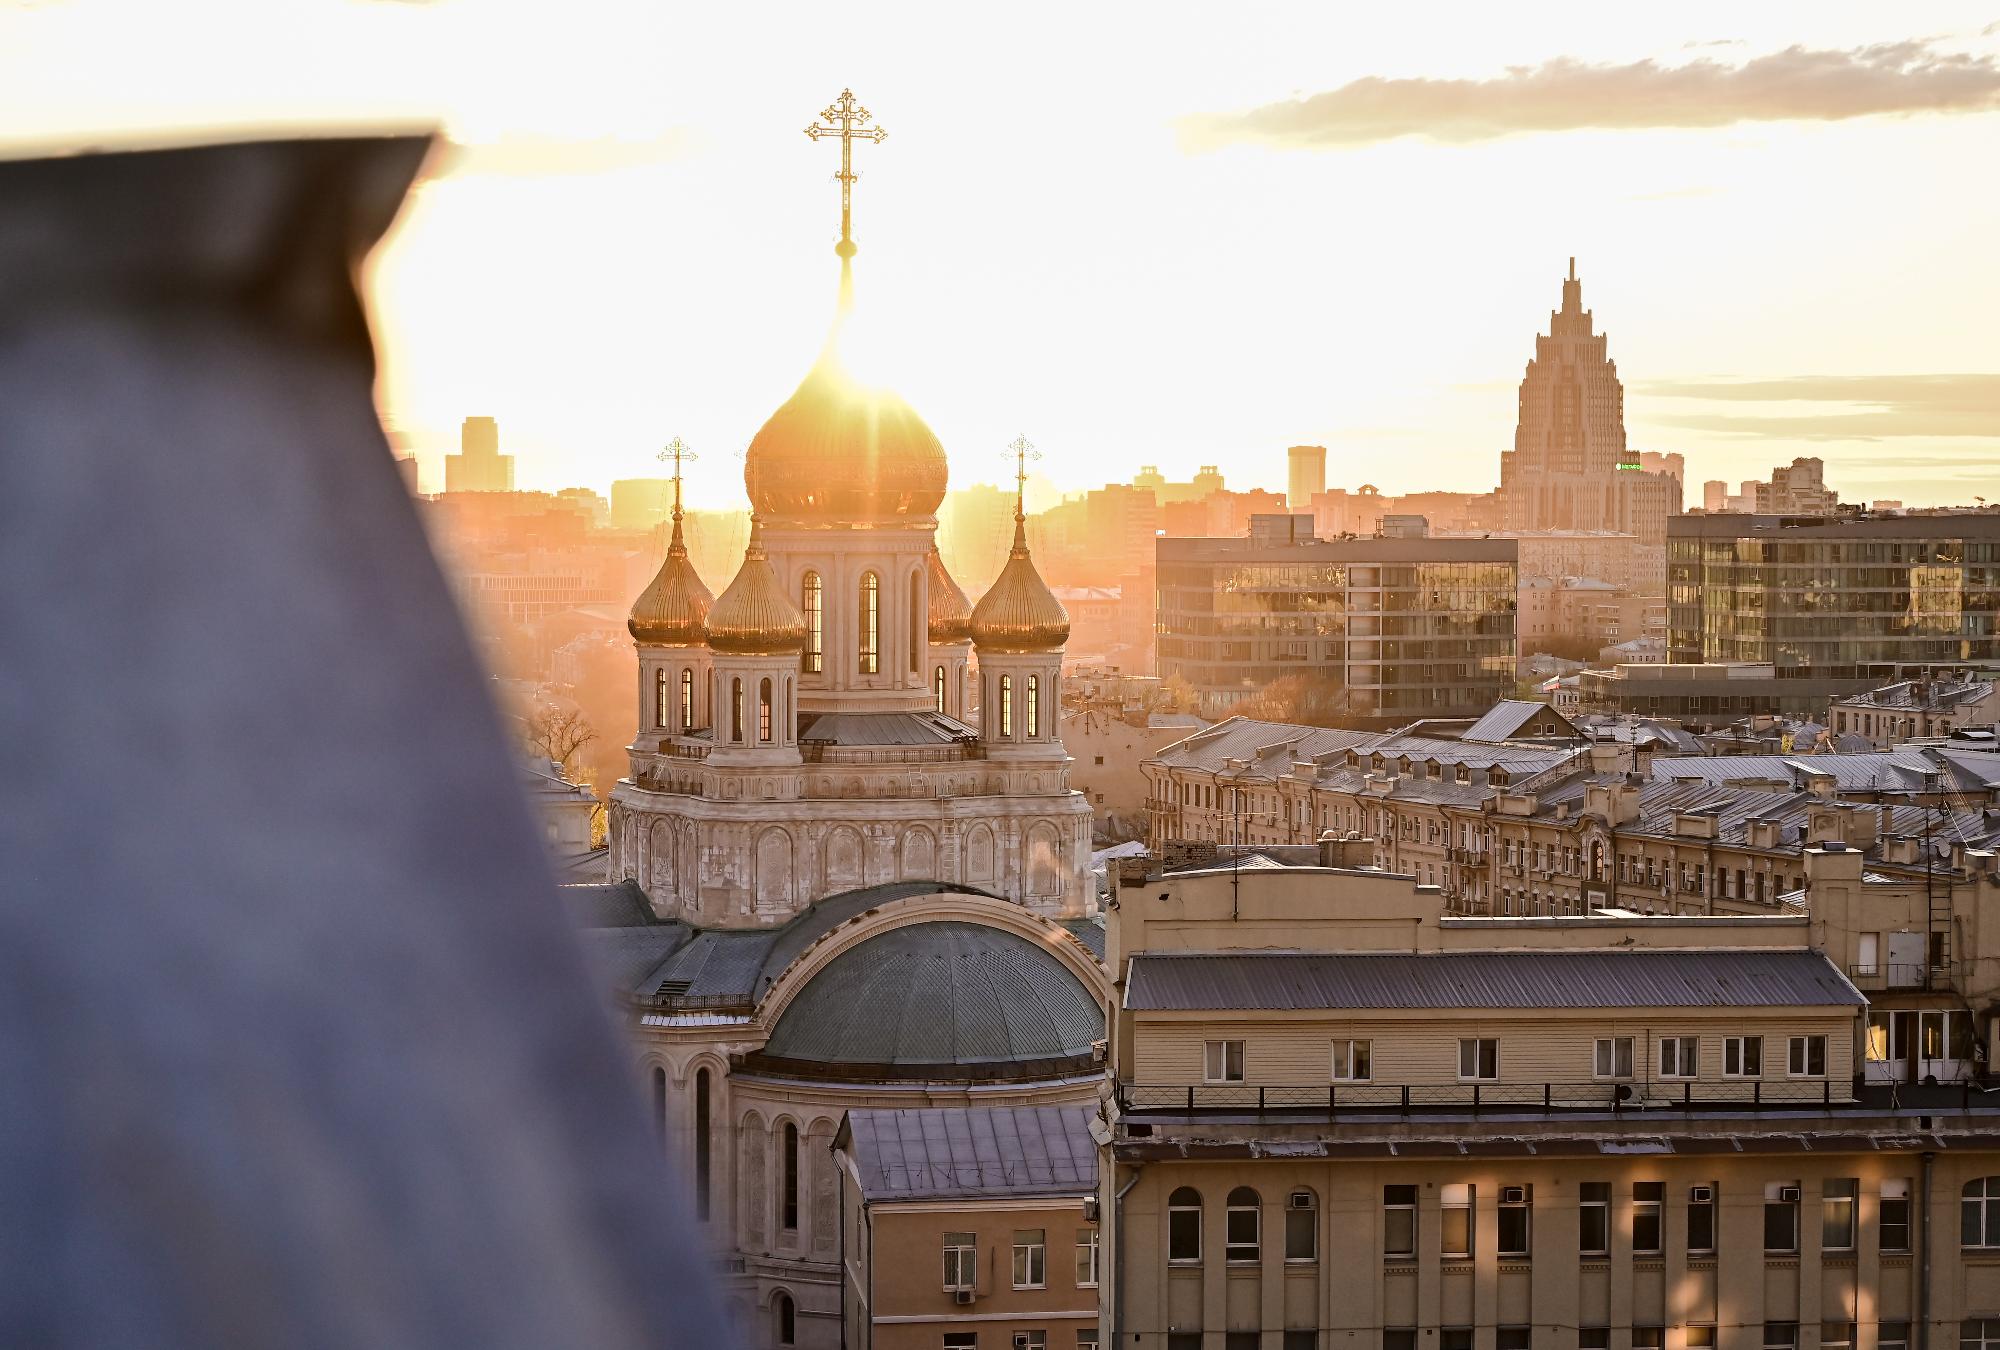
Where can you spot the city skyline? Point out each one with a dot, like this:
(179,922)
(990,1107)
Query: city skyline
(1266,247)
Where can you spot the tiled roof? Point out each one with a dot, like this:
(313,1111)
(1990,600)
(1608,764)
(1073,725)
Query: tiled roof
(1286,981)
(936,1153)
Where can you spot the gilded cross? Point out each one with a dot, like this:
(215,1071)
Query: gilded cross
(850,123)
(1021,450)
(677,450)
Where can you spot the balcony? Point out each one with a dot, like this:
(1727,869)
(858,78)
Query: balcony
(1877,976)
(1378,1099)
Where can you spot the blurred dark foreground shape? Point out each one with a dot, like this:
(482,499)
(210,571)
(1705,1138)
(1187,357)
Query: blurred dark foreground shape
(296,1049)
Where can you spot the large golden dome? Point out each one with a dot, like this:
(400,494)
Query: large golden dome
(1020,613)
(673,609)
(755,617)
(951,612)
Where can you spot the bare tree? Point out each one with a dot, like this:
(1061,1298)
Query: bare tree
(556,732)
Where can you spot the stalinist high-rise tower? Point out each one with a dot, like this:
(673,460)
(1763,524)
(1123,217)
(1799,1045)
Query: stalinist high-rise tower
(1569,442)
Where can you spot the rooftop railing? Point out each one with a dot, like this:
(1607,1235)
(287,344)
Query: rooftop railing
(1416,1098)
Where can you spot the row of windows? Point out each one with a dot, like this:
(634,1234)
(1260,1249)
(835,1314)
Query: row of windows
(1031,1259)
(1031,689)
(1611,1058)
(1034,1339)
(1644,1232)
(868,661)
(1973,1335)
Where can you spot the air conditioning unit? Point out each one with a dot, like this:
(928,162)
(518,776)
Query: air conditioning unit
(1701,1195)
(962,1297)
(1790,1193)
(1299,1200)
(1513,1195)
(1090,1209)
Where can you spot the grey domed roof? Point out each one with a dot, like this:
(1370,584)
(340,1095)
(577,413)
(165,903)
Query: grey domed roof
(943,993)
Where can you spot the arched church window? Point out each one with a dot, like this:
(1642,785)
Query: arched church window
(701,1163)
(764,710)
(937,687)
(1034,705)
(812,600)
(660,1101)
(687,700)
(736,710)
(917,621)
(871,624)
(660,697)
(788,1320)
(790,1216)
(1006,705)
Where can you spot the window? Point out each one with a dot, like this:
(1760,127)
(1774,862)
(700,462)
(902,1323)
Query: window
(1867,953)
(1593,1338)
(1034,705)
(1399,1221)
(736,710)
(1511,1338)
(1701,1338)
(1781,1336)
(1701,1218)
(1301,1340)
(1241,1340)
(1302,1226)
(1781,1216)
(1836,1336)
(1006,705)
(961,1261)
(1892,1336)
(1894,1221)
(788,1319)
(937,688)
(1455,1338)
(1222,1061)
(764,710)
(701,1145)
(1742,1056)
(1399,1338)
(1979,1213)
(812,659)
(1680,1056)
(1647,1338)
(1036,1339)
(1976,1334)
(1646,1227)
(1593,1218)
(660,697)
(1184,1340)
(1240,1224)
(1031,1258)
(1613,1058)
(1516,1210)
(961,1340)
(1836,1230)
(919,615)
(1184,1225)
(870,618)
(791,1178)
(1806,1057)
(1350,1061)
(1455,1221)
(1086,1257)
(687,700)
(1479,1059)
(1086,1338)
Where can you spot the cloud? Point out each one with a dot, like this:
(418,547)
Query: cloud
(1566,95)
(543,156)
(1871,407)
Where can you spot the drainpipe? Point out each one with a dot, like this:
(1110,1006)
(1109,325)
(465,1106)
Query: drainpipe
(1924,1241)
(1118,1259)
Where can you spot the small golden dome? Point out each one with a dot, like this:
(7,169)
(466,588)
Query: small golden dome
(673,609)
(1020,613)
(754,616)
(951,612)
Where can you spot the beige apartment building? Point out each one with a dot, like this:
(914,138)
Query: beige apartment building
(1341,1117)
(968,1228)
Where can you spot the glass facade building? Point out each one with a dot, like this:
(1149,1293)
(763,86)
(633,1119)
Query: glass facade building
(1834,598)
(1407,627)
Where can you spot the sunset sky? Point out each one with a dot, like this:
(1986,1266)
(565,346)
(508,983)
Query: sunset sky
(1141,234)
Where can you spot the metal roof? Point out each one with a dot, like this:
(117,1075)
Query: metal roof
(958,1151)
(891,728)
(1286,981)
(1506,718)
(939,993)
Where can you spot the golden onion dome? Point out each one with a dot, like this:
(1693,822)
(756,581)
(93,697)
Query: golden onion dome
(1020,613)
(754,616)
(951,612)
(673,609)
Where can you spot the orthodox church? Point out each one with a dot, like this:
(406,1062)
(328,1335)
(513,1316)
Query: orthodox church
(840,877)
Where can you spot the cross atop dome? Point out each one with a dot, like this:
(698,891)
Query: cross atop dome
(850,124)
(677,450)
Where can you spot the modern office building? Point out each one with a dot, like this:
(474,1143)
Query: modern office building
(1862,598)
(479,466)
(1408,627)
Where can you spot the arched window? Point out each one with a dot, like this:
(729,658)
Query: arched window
(937,687)
(1034,705)
(764,709)
(701,1162)
(791,717)
(812,659)
(1184,1225)
(660,1101)
(687,700)
(918,618)
(790,1217)
(1239,1234)
(1302,1226)
(870,616)
(736,709)
(788,1319)
(1979,1213)
(660,697)
(1006,705)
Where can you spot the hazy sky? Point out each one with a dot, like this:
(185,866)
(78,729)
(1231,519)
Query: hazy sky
(1142,234)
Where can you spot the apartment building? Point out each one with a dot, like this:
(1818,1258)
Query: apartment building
(968,1228)
(1907,710)
(1341,1117)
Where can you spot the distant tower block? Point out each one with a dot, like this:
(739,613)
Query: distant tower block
(1308,476)
(479,466)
